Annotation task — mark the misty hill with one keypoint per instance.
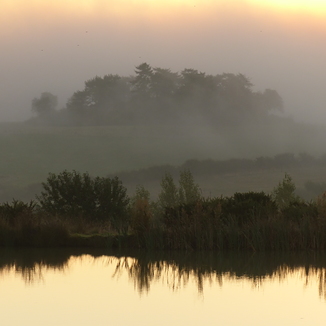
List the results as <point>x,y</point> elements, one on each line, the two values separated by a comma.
<point>157,118</point>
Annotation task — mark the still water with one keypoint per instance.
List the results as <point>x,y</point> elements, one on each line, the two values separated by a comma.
<point>60,287</point>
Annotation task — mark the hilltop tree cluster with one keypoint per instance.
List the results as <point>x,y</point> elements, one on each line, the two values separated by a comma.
<point>155,95</point>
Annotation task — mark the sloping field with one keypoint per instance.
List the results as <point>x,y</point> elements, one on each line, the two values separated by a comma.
<point>29,153</point>
<point>226,184</point>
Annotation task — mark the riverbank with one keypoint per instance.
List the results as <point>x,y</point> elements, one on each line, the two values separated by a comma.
<point>266,235</point>
<point>181,219</point>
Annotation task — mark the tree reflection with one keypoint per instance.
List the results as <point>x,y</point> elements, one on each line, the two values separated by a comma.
<point>175,269</point>
<point>32,264</point>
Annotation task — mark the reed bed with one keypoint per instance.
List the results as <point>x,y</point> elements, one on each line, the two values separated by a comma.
<point>204,225</point>
<point>180,219</point>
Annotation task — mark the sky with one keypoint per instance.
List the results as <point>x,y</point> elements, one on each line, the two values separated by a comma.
<point>56,45</point>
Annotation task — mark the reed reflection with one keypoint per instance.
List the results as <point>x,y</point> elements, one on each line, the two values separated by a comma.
<point>32,264</point>
<point>174,269</point>
<point>177,269</point>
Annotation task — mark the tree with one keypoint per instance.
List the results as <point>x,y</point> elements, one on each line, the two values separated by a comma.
<point>75,194</point>
<point>284,193</point>
<point>268,101</point>
<point>141,84</point>
<point>164,83</point>
<point>141,214</point>
<point>272,100</point>
<point>168,196</point>
<point>101,100</point>
<point>193,83</point>
<point>68,193</point>
<point>189,191</point>
<point>112,202</point>
<point>236,92</point>
<point>104,94</point>
<point>197,93</point>
<point>45,105</point>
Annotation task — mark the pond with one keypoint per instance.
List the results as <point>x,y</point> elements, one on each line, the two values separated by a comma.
<point>78,287</point>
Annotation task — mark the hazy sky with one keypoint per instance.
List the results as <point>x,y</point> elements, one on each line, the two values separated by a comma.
<point>56,45</point>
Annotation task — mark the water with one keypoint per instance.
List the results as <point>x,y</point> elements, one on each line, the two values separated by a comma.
<point>74,287</point>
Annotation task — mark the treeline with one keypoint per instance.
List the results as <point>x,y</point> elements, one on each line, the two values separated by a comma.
<point>73,203</point>
<point>158,95</point>
<point>215,167</point>
<point>210,167</point>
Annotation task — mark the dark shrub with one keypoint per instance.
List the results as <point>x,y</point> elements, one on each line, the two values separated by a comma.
<point>17,210</point>
<point>111,202</point>
<point>249,206</point>
<point>297,210</point>
<point>74,194</point>
<point>68,193</point>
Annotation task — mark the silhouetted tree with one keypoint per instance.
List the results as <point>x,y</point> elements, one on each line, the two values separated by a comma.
<point>268,101</point>
<point>141,84</point>
<point>45,104</point>
<point>193,84</point>
<point>102,99</point>
<point>236,92</point>
<point>164,83</point>
<point>106,93</point>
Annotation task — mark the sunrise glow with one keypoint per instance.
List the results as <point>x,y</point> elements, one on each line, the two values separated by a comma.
<point>153,9</point>
<point>300,6</point>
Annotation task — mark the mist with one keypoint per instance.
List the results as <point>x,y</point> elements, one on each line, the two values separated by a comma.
<point>255,89</point>
<point>282,50</point>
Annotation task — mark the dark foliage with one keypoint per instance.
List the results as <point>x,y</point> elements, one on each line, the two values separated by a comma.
<point>248,207</point>
<point>75,194</point>
<point>245,221</point>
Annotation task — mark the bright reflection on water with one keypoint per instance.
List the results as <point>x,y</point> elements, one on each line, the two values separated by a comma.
<point>60,287</point>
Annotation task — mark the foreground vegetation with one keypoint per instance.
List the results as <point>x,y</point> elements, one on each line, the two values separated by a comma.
<point>76,210</point>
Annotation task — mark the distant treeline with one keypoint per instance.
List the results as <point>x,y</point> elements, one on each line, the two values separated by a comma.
<point>216,167</point>
<point>158,95</point>
<point>210,168</point>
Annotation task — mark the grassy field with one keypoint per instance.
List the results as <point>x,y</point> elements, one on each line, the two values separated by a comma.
<point>228,184</point>
<point>29,153</point>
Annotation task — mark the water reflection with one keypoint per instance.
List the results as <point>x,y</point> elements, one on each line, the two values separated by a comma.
<point>173,269</point>
<point>176,269</point>
<point>31,264</point>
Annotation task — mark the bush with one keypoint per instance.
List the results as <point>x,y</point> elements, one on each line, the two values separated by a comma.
<point>68,193</point>
<point>189,191</point>
<point>112,202</point>
<point>247,207</point>
<point>141,215</point>
<point>17,210</point>
<point>171,196</point>
<point>297,210</point>
<point>284,193</point>
<point>75,194</point>
<point>321,206</point>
